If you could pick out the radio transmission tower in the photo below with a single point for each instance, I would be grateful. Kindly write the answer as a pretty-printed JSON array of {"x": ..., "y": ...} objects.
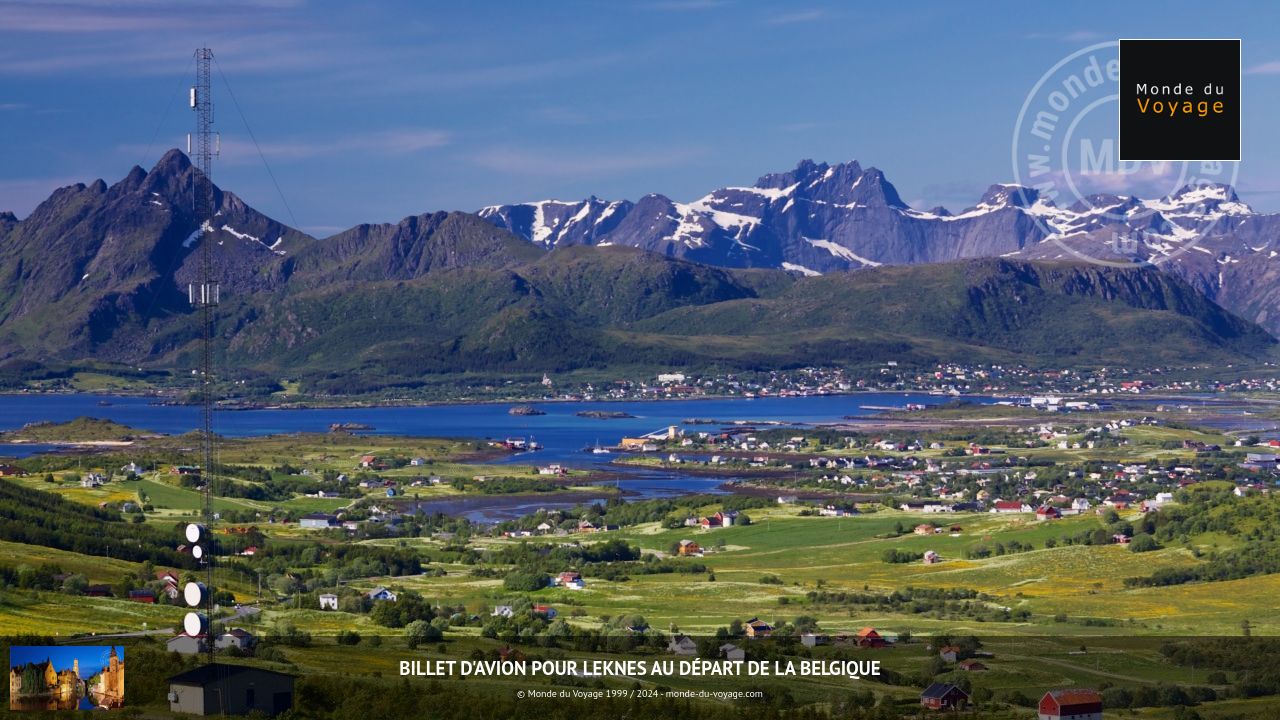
[{"x": 204, "y": 295}]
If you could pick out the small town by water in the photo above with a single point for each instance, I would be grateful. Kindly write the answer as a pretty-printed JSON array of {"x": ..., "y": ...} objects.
[{"x": 581, "y": 435}]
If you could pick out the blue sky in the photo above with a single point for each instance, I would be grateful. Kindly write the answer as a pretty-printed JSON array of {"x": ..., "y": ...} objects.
[
  {"x": 369, "y": 112},
  {"x": 92, "y": 657}
]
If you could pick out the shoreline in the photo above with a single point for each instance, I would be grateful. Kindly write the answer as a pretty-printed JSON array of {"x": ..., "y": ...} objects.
[{"x": 237, "y": 406}]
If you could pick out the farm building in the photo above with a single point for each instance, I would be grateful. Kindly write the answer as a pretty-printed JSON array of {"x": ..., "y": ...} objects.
[
  {"x": 943, "y": 696},
  {"x": 1071, "y": 704},
  {"x": 689, "y": 547},
  {"x": 682, "y": 645},
  {"x": 317, "y": 521},
  {"x": 869, "y": 637},
  {"x": 729, "y": 651},
  {"x": 570, "y": 580},
  {"x": 757, "y": 628},
  {"x": 219, "y": 689}
]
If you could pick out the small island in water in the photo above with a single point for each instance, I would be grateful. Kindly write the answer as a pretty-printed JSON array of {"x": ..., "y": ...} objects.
[
  {"x": 525, "y": 410},
  {"x": 604, "y": 414}
]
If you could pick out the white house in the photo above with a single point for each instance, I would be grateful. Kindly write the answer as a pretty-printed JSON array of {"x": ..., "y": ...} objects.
[
  {"x": 505, "y": 611},
  {"x": 185, "y": 644},
  {"x": 235, "y": 638},
  {"x": 732, "y": 652},
  {"x": 381, "y": 593},
  {"x": 682, "y": 645},
  {"x": 317, "y": 521},
  {"x": 329, "y": 601},
  {"x": 813, "y": 639}
]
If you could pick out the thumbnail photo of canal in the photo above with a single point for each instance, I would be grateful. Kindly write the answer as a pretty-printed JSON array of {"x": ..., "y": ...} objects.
[{"x": 66, "y": 677}]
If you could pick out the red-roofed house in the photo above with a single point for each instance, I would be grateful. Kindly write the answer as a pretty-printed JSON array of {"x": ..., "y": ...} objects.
[
  {"x": 1010, "y": 506},
  {"x": 868, "y": 637},
  {"x": 1048, "y": 512},
  {"x": 1071, "y": 704}
]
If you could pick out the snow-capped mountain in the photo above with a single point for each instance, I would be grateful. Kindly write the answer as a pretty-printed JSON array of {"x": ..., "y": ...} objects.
[
  {"x": 820, "y": 218},
  {"x": 815, "y": 218}
]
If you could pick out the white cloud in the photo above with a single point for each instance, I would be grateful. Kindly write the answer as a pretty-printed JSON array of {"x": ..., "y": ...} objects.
[
  {"x": 1266, "y": 68},
  {"x": 801, "y": 16}
]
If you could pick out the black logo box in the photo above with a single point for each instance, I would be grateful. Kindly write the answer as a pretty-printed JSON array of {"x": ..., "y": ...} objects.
[{"x": 1184, "y": 64}]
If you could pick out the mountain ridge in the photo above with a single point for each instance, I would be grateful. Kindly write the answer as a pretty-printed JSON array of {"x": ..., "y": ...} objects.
[{"x": 445, "y": 292}]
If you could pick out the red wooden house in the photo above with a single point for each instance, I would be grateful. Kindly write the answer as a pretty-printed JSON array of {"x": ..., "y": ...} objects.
[
  {"x": 943, "y": 696},
  {"x": 1071, "y": 704},
  {"x": 868, "y": 637}
]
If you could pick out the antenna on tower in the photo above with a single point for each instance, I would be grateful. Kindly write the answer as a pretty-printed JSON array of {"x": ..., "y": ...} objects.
[{"x": 204, "y": 297}]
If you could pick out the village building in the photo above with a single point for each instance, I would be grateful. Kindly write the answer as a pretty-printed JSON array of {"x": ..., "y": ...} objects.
[
  {"x": 236, "y": 638},
  {"x": 729, "y": 651},
  {"x": 328, "y": 601},
  {"x": 1070, "y": 704},
  {"x": 813, "y": 639},
  {"x": 381, "y": 593},
  {"x": 219, "y": 689},
  {"x": 318, "y": 521},
  {"x": 689, "y": 547},
  {"x": 1048, "y": 512},
  {"x": 185, "y": 644},
  {"x": 682, "y": 645},
  {"x": 868, "y": 637},
  {"x": 720, "y": 519},
  {"x": 570, "y": 580},
  {"x": 757, "y": 628},
  {"x": 943, "y": 696}
]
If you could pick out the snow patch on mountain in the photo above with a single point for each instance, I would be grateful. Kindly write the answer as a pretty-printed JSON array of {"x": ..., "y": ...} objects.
[
  {"x": 800, "y": 269},
  {"x": 841, "y": 251}
]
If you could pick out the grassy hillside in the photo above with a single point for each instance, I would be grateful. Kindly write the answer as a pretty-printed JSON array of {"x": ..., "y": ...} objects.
[{"x": 592, "y": 307}]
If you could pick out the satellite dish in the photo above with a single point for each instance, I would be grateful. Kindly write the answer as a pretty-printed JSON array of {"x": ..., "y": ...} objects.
[
  {"x": 193, "y": 532},
  {"x": 194, "y": 594},
  {"x": 197, "y": 552},
  {"x": 194, "y": 624}
]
